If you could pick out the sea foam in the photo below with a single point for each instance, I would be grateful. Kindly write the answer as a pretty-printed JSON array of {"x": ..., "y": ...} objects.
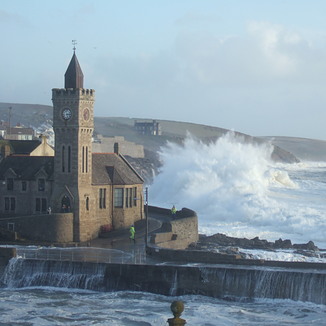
[{"x": 237, "y": 189}]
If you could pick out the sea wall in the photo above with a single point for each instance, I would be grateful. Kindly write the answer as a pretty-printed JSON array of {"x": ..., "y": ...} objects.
[
  {"x": 45, "y": 227},
  {"x": 5, "y": 255},
  {"x": 218, "y": 282},
  {"x": 228, "y": 282},
  {"x": 178, "y": 232},
  {"x": 207, "y": 257}
]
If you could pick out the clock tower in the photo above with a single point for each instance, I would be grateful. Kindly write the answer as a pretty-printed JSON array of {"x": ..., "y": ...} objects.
[{"x": 73, "y": 125}]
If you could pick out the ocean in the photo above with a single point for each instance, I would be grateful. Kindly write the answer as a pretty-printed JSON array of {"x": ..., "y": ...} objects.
[
  {"x": 54, "y": 307},
  {"x": 235, "y": 189}
]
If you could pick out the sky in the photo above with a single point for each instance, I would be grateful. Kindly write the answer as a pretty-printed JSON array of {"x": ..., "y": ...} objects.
[{"x": 253, "y": 66}]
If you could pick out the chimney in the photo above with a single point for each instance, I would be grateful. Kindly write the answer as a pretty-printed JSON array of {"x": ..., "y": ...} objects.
[{"x": 116, "y": 148}]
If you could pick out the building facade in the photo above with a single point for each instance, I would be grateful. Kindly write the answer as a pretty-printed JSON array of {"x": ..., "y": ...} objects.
[
  {"x": 152, "y": 128},
  {"x": 90, "y": 190}
]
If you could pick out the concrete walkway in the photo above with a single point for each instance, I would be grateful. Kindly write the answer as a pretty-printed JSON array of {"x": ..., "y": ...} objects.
[{"x": 119, "y": 239}]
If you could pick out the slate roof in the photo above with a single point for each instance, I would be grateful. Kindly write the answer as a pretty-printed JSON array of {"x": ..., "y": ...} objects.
[
  {"x": 26, "y": 167},
  {"x": 110, "y": 168},
  {"x": 74, "y": 77},
  {"x": 24, "y": 147},
  {"x": 20, "y": 131}
]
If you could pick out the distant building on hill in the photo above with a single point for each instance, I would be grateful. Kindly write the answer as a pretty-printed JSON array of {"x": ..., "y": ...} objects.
[
  {"x": 148, "y": 128},
  {"x": 19, "y": 133}
]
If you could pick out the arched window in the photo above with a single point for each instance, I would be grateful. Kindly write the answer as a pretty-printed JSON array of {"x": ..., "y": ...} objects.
[
  {"x": 65, "y": 204},
  {"x": 83, "y": 159},
  {"x": 87, "y": 203},
  {"x": 86, "y": 159},
  {"x": 63, "y": 159},
  {"x": 69, "y": 159}
]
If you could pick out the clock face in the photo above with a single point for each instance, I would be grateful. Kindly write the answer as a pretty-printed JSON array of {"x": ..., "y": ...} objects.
[
  {"x": 66, "y": 114},
  {"x": 86, "y": 114}
]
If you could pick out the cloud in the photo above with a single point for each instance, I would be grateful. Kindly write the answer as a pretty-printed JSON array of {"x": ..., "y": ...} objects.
[
  {"x": 268, "y": 81},
  {"x": 10, "y": 19},
  {"x": 276, "y": 45},
  {"x": 266, "y": 56}
]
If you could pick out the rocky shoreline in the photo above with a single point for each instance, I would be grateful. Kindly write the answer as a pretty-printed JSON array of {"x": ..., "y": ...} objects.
[{"x": 231, "y": 245}]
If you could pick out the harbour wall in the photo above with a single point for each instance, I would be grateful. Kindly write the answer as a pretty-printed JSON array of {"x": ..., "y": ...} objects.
[
  {"x": 224, "y": 281},
  {"x": 175, "y": 233}
]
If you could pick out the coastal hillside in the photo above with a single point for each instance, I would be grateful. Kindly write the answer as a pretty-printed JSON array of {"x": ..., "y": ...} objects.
[
  {"x": 288, "y": 149},
  {"x": 304, "y": 149}
]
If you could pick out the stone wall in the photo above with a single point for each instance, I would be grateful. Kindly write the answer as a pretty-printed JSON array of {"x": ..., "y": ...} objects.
[
  {"x": 177, "y": 233},
  {"x": 48, "y": 227},
  {"x": 221, "y": 281},
  {"x": 217, "y": 281},
  {"x": 5, "y": 255},
  {"x": 207, "y": 257}
]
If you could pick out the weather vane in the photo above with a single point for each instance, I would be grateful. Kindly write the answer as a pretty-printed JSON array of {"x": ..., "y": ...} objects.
[{"x": 74, "y": 43}]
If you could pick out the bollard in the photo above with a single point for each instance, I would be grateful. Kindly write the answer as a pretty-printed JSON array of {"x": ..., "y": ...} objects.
[{"x": 177, "y": 308}]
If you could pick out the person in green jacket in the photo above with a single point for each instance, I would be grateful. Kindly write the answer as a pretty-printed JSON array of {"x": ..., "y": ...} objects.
[
  {"x": 173, "y": 211},
  {"x": 132, "y": 232}
]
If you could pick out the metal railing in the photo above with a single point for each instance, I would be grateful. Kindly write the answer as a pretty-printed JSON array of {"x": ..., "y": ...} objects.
[{"x": 83, "y": 254}]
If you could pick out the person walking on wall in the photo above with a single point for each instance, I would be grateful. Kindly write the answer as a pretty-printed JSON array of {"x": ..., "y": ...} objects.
[{"x": 132, "y": 232}]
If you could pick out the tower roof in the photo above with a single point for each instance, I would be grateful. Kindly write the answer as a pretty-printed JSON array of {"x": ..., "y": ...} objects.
[{"x": 74, "y": 77}]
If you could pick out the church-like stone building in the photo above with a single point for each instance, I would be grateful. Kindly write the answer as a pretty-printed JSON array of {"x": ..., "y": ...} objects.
[{"x": 70, "y": 196}]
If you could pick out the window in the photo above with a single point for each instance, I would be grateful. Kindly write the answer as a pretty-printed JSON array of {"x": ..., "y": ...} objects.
[
  {"x": 134, "y": 195},
  {"x": 10, "y": 204},
  {"x": 44, "y": 205},
  {"x": 127, "y": 197},
  {"x": 63, "y": 159},
  {"x": 40, "y": 205},
  {"x": 118, "y": 197},
  {"x": 10, "y": 184},
  {"x": 41, "y": 184},
  {"x": 85, "y": 159},
  {"x": 69, "y": 159},
  {"x": 130, "y": 197},
  {"x": 102, "y": 198},
  {"x": 11, "y": 227},
  {"x": 7, "y": 203},
  {"x": 24, "y": 185},
  {"x": 87, "y": 203}
]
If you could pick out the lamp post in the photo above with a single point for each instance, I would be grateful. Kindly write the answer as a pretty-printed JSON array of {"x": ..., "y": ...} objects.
[
  {"x": 146, "y": 214},
  {"x": 9, "y": 120}
]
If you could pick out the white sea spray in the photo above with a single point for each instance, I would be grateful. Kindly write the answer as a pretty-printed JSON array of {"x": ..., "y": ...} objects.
[{"x": 237, "y": 189}]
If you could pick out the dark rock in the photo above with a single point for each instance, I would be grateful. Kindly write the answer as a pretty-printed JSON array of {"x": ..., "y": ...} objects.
[
  {"x": 227, "y": 244},
  {"x": 307, "y": 246},
  {"x": 283, "y": 244}
]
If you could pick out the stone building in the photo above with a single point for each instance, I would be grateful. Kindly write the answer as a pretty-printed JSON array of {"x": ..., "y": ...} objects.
[
  {"x": 19, "y": 133},
  {"x": 152, "y": 128},
  {"x": 106, "y": 144},
  {"x": 71, "y": 195}
]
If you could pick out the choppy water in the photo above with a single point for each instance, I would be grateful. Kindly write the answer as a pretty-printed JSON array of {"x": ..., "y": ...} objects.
[
  {"x": 236, "y": 190},
  {"x": 50, "y": 307}
]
